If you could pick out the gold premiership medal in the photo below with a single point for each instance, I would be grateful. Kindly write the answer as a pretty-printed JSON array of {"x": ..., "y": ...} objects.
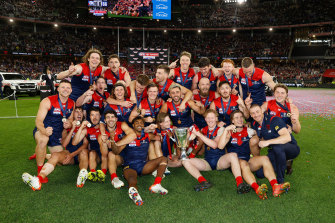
[
  {"x": 77, "y": 123},
  {"x": 288, "y": 114},
  {"x": 179, "y": 122},
  {"x": 64, "y": 120},
  {"x": 89, "y": 125},
  {"x": 153, "y": 119},
  {"x": 234, "y": 130},
  {"x": 138, "y": 111}
]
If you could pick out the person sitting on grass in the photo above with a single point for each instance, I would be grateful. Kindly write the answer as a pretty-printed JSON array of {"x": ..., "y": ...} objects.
[{"x": 236, "y": 138}]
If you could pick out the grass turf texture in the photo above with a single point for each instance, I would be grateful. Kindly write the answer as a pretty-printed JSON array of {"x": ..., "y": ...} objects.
[{"x": 311, "y": 198}]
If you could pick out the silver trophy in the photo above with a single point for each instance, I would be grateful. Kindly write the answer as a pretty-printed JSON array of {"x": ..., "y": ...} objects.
[{"x": 181, "y": 136}]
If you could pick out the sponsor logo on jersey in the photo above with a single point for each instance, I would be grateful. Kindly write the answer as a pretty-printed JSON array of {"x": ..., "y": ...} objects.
[
  {"x": 93, "y": 137},
  {"x": 56, "y": 111},
  {"x": 96, "y": 104},
  {"x": 272, "y": 113},
  {"x": 85, "y": 78},
  {"x": 243, "y": 81}
]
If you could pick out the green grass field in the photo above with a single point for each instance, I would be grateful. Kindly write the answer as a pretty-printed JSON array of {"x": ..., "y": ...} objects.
[{"x": 311, "y": 198}]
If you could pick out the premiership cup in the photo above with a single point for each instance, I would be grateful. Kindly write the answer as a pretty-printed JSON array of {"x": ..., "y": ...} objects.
[{"x": 182, "y": 136}]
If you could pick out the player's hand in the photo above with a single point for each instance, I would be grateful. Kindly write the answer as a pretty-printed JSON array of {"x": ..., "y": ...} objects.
[
  {"x": 199, "y": 104},
  {"x": 48, "y": 131},
  {"x": 89, "y": 92},
  {"x": 240, "y": 101},
  {"x": 248, "y": 101},
  {"x": 234, "y": 91},
  {"x": 67, "y": 159},
  {"x": 294, "y": 117},
  {"x": 67, "y": 124},
  {"x": 169, "y": 100},
  {"x": 263, "y": 144},
  {"x": 74, "y": 124},
  {"x": 152, "y": 127},
  {"x": 173, "y": 64},
  {"x": 72, "y": 68},
  {"x": 123, "y": 69},
  {"x": 231, "y": 128},
  {"x": 127, "y": 104},
  {"x": 195, "y": 91},
  {"x": 289, "y": 128},
  {"x": 221, "y": 124},
  {"x": 182, "y": 107},
  {"x": 84, "y": 124},
  {"x": 149, "y": 119}
]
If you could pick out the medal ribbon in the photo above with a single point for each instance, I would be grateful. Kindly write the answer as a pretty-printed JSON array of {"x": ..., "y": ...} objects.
[
  {"x": 64, "y": 111},
  {"x": 246, "y": 78},
  {"x": 225, "y": 110},
  {"x": 116, "y": 75},
  {"x": 183, "y": 81},
  {"x": 285, "y": 107},
  {"x": 152, "y": 111},
  {"x": 138, "y": 100},
  {"x": 121, "y": 111},
  {"x": 162, "y": 91},
  {"x": 210, "y": 136},
  {"x": 175, "y": 109}
]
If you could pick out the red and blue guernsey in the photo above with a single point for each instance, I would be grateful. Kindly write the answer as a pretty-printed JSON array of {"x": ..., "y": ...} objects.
[
  {"x": 119, "y": 133},
  {"x": 199, "y": 120},
  {"x": 212, "y": 155},
  {"x": 57, "y": 111},
  {"x": 151, "y": 110},
  {"x": 167, "y": 142},
  {"x": 224, "y": 109},
  {"x": 92, "y": 137},
  {"x": 112, "y": 77},
  {"x": 276, "y": 109},
  {"x": 123, "y": 113},
  {"x": 233, "y": 81},
  {"x": 98, "y": 101},
  {"x": 270, "y": 127},
  {"x": 239, "y": 143},
  {"x": 179, "y": 119},
  {"x": 163, "y": 91},
  {"x": 81, "y": 82},
  {"x": 71, "y": 148},
  {"x": 184, "y": 79},
  {"x": 136, "y": 153},
  {"x": 253, "y": 85},
  {"x": 212, "y": 79},
  {"x": 139, "y": 97}
]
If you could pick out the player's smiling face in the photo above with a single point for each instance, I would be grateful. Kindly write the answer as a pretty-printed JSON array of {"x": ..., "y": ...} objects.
[
  {"x": 280, "y": 94},
  {"x": 238, "y": 119},
  {"x": 94, "y": 60},
  {"x": 138, "y": 125},
  {"x": 256, "y": 113},
  {"x": 166, "y": 123},
  {"x": 175, "y": 94},
  {"x": 119, "y": 93},
  {"x": 228, "y": 68},
  {"x": 211, "y": 120},
  {"x": 95, "y": 117},
  {"x": 153, "y": 93},
  {"x": 139, "y": 87},
  {"x": 110, "y": 120},
  {"x": 225, "y": 90},
  {"x": 64, "y": 89},
  {"x": 185, "y": 62},
  {"x": 204, "y": 85},
  {"x": 114, "y": 64}
]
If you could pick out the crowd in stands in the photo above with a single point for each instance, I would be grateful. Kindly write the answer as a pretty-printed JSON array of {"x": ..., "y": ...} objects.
[
  {"x": 283, "y": 12},
  {"x": 209, "y": 44}
]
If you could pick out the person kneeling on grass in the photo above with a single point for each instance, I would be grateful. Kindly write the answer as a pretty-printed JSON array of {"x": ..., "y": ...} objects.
[
  {"x": 72, "y": 155},
  {"x": 237, "y": 138},
  {"x": 215, "y": 159},
  {"x": 135, "y": 162}
]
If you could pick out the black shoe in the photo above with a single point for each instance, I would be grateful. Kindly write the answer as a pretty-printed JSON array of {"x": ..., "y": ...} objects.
[
  {"x": 289, "y": 169},
  {"x": 243, "y": 188},
  {"x": 204, "y": 185}
]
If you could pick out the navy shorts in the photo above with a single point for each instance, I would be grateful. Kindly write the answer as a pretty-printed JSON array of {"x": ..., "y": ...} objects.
[
  {"x": 135, "y": 165},
  {"x": 54, "y": 139},
  {"x": 213, "y": 162}
]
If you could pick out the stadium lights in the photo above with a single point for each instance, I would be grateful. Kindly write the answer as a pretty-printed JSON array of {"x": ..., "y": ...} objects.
[
  {"x": 199, "y": 30},
  {"x": 130, "y": 30},
  {"x": 313, "y": 36},
  {"x": 56, "y": 25},
  {"x": 270, "y": 29},
  {"x": 11, "y": 20},
  {"x": 240, "y": 1},
  {"x": 95, "y": 28},
  {"x": 234, "y": 30},
  {"x": 165, "y": 30}
]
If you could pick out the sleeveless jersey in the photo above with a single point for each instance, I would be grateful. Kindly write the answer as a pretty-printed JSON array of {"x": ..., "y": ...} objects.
[
  {"x": 211, "y": 153},
  {"x": 224, "y": 113},
  {"x": 184, "y": 117},
  {"x": 199, "y": 120},
  {"x": 212, "y": 79},
  {"x": 137, "y": 150},
  {"x": 184, "y": 79},
  {"x": 163, "y": 91},
  {"x": 275, "y": 109},
  {"x": 254, "y": 85}
]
